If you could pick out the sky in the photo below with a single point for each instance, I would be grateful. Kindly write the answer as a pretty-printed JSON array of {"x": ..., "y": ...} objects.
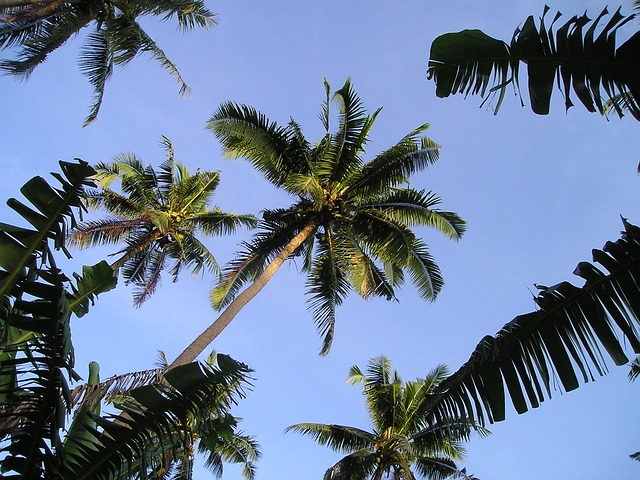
[{"x": 538, "y": 194}]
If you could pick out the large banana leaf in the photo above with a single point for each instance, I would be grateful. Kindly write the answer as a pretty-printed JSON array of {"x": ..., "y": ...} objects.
[
  {"x": 573, "y": 336},
  {"x": 581, "y": 57},
  {"x": 36, "y": 353},
  {"x": 157, "y": 418}
]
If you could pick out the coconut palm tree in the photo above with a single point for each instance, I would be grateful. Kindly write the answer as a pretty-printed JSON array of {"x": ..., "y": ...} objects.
[
  {"x": 39, "y": 27},
  {"x": 582, "y": 57},
  {"x": 403, "y": 440},
  {"x": 351, "y": 222},
  {"x": 158, "y": 215}
]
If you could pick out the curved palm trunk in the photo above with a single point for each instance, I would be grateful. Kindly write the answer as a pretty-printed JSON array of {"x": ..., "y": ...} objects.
[{"x": 209, "y": 335}]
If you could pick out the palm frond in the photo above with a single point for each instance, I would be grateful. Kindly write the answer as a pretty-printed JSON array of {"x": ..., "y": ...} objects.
[
  {"x": 245, "y": 132},
  {"x": 424, "y": 271},
  {"x": 327, "y": 287},
  {"x": 416, "y": 208},
  {"x": 96, "y": 63},
  {"x": 573, "y": 336},
  {"x": 585, "y": 62},
  {"x": 343, "y": 156},
  {"x": 337, "y": 437},
  {"x": 396, "y": 164}
]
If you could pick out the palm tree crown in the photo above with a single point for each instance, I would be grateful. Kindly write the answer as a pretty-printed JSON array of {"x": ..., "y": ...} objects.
[
  {"x": 351, "y": 222},
  {"x": 39, "y": 27},
  {"x": 158, "y": 216},
  {"x": 402, "y": 440}
]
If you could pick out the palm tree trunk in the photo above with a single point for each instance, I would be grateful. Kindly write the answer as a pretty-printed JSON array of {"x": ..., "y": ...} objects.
[{"x": 209, "y": 335}]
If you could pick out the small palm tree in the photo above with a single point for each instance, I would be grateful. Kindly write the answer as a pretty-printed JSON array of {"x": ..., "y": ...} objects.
[
  {"x": 402, "y": 441},
  {"x": 352, "y": 221},
  {"x": 39, "y": 27},
  {"x": 158, "y": 216}
]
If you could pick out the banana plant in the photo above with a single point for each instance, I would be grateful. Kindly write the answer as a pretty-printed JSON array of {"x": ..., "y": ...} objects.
[
  {"x": 36, "y": 353},
  {"x": 581, "y": 57},
  {"x": 575, "y": 334},
  {"x": 36, "y": 360}
]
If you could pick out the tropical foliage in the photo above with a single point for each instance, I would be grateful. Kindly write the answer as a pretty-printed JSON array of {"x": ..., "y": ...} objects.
[
  {"x": 37, "y": 28},
  {"x": 571, "y": 338},
  {"x": 404, "y": 440},
  {"x": 352, "y": 222},
  {"x": 158, "y": 216},
  {"x": 581, "y": 57},
  {"x": 37, "y": 359},
  {"x": 212, "y": 432}
]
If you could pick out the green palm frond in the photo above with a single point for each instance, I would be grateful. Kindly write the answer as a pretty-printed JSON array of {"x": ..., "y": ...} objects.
[
  {"x": 634, "y": 371},
  {"x": 386, "y": 239},
  {"x": 245, "y": 132},
  {"x": 37, "y": 30},
  {"x": 327, "y": 287},
  {"x": 424, "y": 271},
  {"x": 338, "y": 437},
  {"x": 417, "y": 208},
  {"x": 395, "y": 165},
  {"x": 574, "y": 335},
  {"x": 96, "y": 63},
  {"x": 581, "y": 57},
  {"x": 144, "y": 288},
  {"x": 238, "y": 449}
]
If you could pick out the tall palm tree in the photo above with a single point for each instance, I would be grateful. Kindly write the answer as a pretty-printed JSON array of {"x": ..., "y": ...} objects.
[
  {"x": 38, "y": 27},
  {"x": 158, "y": 215},
  {"x": 582, "y": 56},
  {"x": 403, "y": 440},
  {"x": 351, "y": 223}
]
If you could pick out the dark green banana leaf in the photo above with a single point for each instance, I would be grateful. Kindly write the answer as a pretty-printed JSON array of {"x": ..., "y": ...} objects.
[
  {"x": 36, "y": 353},
  {"x": 573, "y": 337},
  {"x": 581, "y": 58},
  {"x": 157, "y": 419}
]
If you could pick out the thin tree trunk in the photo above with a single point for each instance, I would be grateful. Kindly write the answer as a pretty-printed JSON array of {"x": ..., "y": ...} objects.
[{"x": 209, "y": 335}]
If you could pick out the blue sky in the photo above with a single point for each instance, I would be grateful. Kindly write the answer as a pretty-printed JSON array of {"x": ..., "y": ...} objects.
[{"x": 538, "y": 194}]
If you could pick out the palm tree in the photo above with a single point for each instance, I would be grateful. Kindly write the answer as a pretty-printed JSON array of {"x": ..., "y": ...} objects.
[
  {"x": 403, "y": 440},
  {"x": 351, "y": 223},
  {"x": 158, "y": 215},
  {"x": 39, "y": 27},
  {"x": 581, "y": 57}
]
